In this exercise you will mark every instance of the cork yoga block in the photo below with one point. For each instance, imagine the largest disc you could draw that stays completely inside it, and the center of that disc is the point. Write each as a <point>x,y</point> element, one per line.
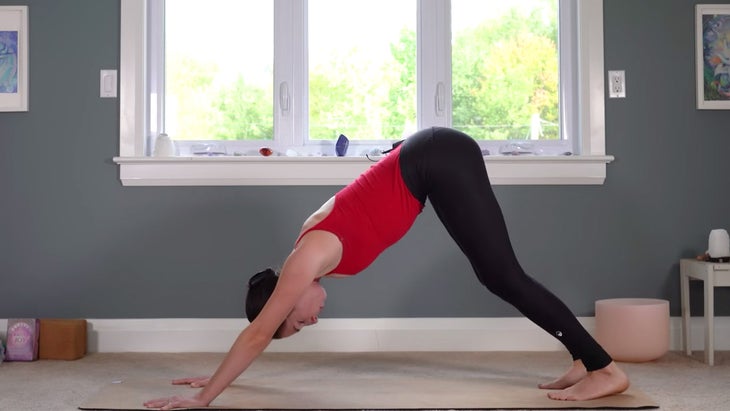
<point>62,339</point>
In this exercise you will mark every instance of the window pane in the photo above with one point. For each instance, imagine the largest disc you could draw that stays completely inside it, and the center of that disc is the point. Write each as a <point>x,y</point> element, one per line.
<point>505,69</point>
<point>362,69</point>
<point>219,69</point>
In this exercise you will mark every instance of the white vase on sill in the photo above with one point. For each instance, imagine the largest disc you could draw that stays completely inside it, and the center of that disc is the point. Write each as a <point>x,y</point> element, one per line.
<point>164,146</point>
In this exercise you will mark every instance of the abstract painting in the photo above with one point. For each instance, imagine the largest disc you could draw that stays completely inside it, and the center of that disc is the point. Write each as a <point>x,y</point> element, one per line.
<point>8,61</point>
<point>13,58</point>
<point>713,56</point>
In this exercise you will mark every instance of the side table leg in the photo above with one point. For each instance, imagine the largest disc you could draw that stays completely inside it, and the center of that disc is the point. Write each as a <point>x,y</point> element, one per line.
<point>709,317</point>
<point>684,291</point>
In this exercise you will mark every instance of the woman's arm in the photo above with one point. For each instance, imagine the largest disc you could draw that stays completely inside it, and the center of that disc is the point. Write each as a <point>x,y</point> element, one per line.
<point>249,345</point>
<point>297,274</point>
<point>316,255</point>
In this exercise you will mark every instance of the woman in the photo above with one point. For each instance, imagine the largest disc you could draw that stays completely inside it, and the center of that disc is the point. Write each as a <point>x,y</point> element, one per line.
<point>351,229</point>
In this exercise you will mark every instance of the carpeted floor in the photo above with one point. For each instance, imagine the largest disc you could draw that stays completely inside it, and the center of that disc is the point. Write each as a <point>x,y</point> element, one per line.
<point>675,382</point>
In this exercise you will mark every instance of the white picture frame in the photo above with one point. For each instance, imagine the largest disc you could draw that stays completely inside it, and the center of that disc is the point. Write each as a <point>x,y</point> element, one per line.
<point>13,58</point>
<point>712,25</point>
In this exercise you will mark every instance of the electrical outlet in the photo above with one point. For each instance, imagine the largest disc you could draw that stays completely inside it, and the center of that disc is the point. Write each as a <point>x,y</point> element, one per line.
<point>617,84</point>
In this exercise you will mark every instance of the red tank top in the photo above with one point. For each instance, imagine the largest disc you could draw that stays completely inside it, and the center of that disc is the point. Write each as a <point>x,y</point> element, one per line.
<point>370,214</point>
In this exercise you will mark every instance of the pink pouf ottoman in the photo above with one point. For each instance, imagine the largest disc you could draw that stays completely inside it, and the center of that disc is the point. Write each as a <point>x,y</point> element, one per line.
<point>633,329</point>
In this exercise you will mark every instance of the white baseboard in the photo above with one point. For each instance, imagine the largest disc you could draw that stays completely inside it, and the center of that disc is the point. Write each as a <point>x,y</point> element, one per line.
<point>353,335</point>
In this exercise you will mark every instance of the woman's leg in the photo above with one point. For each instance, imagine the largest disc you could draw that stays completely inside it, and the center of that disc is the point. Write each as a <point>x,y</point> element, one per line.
<point>451,171</point>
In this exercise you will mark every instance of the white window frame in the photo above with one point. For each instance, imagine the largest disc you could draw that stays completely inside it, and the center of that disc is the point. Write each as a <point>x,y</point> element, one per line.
<point>139,169</point>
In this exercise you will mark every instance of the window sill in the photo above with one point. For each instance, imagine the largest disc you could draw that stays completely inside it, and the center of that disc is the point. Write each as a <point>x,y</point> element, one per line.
<point>243,171</point>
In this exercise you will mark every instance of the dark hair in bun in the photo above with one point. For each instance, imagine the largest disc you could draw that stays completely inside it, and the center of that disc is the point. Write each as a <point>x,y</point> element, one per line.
<point>260,288</point>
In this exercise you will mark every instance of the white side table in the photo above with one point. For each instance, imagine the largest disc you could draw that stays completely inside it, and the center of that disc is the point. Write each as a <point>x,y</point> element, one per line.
<point>713,275</point>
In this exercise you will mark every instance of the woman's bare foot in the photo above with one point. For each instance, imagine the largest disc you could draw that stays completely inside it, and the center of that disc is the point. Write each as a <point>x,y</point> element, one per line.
<point>596,384</point>
<point>575,373</point>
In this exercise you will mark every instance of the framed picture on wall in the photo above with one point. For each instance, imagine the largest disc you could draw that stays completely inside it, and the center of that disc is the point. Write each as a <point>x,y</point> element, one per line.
<point>13,58</point>
<point>712,33</point>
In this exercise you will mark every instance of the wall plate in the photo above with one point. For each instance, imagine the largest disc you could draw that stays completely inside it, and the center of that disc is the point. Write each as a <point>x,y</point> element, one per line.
<point>108,84</point>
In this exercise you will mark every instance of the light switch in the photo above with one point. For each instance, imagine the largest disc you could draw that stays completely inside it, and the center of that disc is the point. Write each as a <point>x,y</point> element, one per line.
<point>108,83</point>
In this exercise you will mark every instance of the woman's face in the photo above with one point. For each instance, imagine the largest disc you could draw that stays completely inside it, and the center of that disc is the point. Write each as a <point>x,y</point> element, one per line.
<point>306,310</point>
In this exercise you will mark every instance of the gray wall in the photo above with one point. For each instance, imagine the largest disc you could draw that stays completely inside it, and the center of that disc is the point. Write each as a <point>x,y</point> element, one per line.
<point>75,243</point>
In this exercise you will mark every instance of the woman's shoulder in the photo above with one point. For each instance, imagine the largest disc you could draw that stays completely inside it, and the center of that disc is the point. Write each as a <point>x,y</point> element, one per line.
<point>319,249</point>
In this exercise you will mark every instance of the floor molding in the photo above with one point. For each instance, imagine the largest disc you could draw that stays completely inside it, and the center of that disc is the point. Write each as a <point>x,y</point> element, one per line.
<point>353,335</point>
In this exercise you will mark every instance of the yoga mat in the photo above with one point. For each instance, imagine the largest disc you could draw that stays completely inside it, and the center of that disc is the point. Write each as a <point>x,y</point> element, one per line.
<point>363,393</point>
<point>369,382</point>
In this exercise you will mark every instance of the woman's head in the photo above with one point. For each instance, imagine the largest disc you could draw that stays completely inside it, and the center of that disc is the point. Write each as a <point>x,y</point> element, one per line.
<point>305,312</point>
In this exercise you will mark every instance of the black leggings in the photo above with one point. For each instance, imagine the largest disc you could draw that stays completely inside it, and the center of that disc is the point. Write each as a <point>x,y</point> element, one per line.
<point>447,167</point>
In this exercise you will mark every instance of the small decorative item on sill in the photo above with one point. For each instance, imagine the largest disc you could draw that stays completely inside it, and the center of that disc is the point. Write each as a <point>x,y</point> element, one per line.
<point>341,146</point>
<point>208,150</point>
<point>22,337</point>
<point>164,146</point>
<point>266,151</point>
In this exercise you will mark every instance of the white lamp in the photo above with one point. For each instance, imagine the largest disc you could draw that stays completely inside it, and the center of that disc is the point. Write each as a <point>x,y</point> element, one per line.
<point>718,246</point>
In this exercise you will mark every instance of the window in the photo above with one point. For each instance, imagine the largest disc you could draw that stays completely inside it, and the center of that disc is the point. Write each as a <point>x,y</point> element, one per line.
<point>506,72</point>
<point>334,67</point>
<point>209,85</point>
<point>362,78</point>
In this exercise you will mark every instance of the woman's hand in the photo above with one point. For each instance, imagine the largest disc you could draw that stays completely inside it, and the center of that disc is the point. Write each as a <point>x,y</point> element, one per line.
<point>169,403</point>
<point>178,401</point>
<point>194,382</point>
